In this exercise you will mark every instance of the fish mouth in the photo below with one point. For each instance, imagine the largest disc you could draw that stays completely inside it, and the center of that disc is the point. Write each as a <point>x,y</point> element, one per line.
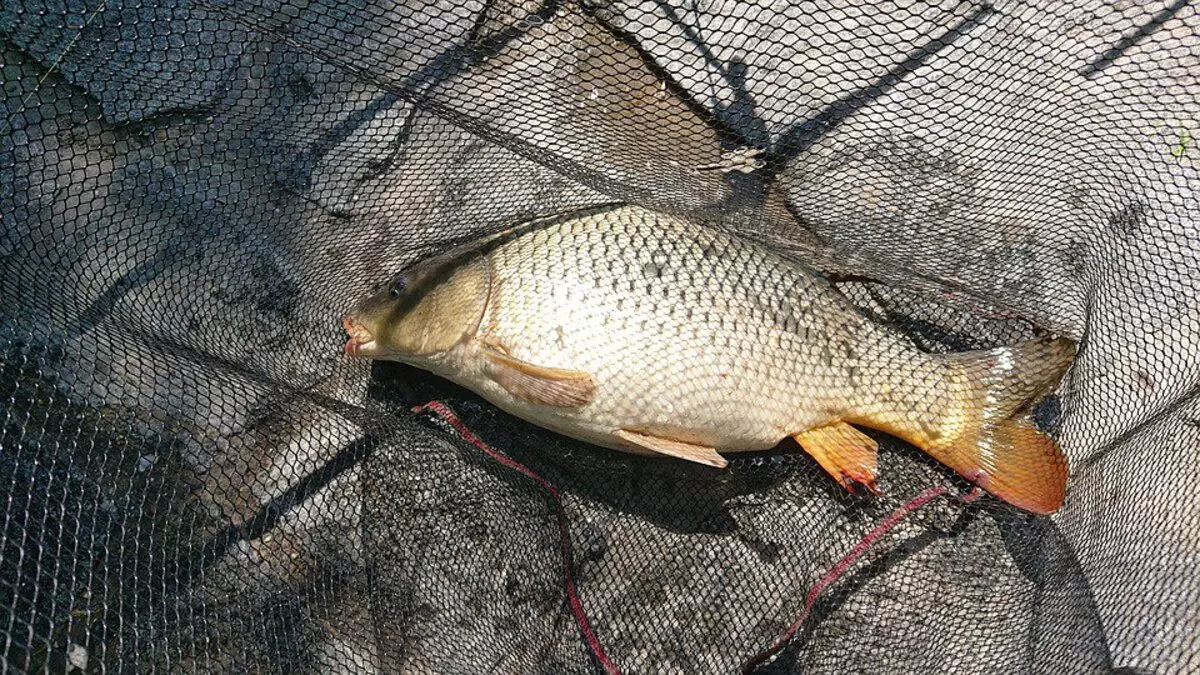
<point>362,341</point>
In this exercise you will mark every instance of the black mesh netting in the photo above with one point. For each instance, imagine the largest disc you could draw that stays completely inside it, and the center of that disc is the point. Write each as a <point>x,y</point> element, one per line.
<point>194,476</point>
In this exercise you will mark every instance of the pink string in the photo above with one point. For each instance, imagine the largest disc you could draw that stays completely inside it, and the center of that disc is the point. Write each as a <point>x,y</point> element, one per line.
<point>874,535</point>
<point>870,538</point>
<point>581,618</point>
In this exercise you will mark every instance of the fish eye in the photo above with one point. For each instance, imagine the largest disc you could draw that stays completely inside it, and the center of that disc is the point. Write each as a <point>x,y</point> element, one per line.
<point>398,286</point>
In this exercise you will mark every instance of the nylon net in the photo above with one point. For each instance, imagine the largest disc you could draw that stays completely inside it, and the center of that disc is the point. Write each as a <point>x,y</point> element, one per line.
<point>196,477</point>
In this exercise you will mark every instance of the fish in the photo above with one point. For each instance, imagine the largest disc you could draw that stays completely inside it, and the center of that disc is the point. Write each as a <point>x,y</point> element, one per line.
<point>643,332</point>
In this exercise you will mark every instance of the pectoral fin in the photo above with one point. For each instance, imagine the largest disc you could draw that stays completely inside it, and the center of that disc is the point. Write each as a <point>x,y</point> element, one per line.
<point>849,455</point>
<point>544,386</point>
<point>665,446</point>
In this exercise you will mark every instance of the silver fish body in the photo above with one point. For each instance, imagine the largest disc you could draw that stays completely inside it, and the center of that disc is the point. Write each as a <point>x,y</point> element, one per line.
<point>688,333</point>
<point>640,331</point>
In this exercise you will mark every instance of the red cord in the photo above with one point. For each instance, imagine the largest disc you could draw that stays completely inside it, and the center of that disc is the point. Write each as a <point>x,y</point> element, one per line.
<point>448,415</point>
<point>871,537</point>
<point>875,534</point>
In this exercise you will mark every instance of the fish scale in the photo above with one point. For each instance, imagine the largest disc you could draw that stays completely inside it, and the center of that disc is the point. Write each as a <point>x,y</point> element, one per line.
<point>797,375</point>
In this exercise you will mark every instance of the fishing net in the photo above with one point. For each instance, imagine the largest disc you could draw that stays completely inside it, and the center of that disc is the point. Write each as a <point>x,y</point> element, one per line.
<point>196,477</point>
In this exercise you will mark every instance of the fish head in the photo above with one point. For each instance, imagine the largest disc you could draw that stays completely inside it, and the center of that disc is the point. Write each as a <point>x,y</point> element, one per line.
<point>422,312</point>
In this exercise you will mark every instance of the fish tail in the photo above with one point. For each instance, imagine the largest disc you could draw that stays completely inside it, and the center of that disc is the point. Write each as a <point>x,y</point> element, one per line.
<point>979,427</point>
<point>993,443</point>
<point>1008,380</point>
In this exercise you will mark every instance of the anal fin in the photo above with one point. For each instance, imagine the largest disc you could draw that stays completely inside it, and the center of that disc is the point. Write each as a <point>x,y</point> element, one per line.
<point>537,384</point>
<point>664,446</point>
<point>849,455</point>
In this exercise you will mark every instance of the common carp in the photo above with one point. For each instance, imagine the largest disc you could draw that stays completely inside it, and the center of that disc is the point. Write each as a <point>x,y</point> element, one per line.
<point>643,332</point>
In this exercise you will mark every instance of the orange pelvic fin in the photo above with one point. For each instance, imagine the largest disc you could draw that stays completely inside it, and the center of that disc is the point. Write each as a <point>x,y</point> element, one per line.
<point>849,455</point>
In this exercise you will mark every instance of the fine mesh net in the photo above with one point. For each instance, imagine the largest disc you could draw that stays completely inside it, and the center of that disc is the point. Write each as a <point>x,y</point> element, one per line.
<point>196,477</point>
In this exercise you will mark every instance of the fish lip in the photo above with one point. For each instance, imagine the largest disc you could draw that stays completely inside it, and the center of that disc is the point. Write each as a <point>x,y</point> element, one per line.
<point>362,342</point>
<point>360,349</point>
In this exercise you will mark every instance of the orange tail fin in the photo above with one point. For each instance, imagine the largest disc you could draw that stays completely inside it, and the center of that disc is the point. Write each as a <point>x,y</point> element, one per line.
<point>983,432</point>
<point>998,450</point>
<point>1012,460</point>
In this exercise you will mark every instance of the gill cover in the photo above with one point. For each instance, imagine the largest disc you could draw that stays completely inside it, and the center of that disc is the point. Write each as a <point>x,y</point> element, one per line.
<point>430,307</point>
